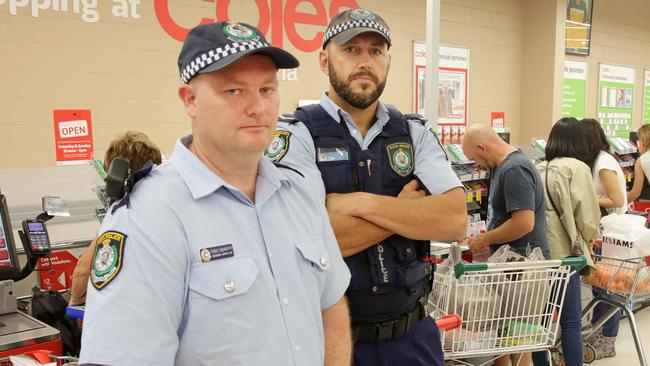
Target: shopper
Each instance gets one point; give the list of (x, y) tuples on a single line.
[(516, 201), (136, 147), (375, 166), (609, 182), (572, 222), (608, 176), (642, 164), (218, 257)]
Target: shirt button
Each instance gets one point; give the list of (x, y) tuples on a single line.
[(354, 132), (323, 261), (296, 348), (229, 286), (285, 301), (408, 250)]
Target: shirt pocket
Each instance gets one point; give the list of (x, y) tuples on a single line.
[(224, 312), (314, 263)]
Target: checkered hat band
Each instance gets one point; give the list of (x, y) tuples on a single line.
[(215, 55), (363, 23)]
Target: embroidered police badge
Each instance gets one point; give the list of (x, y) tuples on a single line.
[(237, 32), (107, 258), (400, 157), (362, 14), (279, 146)]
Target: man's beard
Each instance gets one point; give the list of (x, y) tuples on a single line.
[(357, 100)]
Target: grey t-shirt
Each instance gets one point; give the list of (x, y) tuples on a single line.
[(516, 185)]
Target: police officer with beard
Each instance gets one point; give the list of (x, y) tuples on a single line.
[(388, 187)]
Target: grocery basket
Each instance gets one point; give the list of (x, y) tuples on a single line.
[(620, 283), (42, 356), (506, 308)]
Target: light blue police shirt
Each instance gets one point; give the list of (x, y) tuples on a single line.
[(431, 164), (260, 306)]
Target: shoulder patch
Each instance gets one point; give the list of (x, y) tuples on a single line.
[(279, 146), (400, 157), (107, 258)]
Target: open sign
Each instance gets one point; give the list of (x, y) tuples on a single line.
[(70, 129)]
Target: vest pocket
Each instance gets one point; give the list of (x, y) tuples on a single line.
[(337, 176)]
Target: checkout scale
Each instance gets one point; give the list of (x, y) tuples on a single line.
[(19, 332)]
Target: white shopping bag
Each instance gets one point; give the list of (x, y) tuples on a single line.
[(625, 236)]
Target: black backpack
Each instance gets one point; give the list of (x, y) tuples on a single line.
[(49, 307)]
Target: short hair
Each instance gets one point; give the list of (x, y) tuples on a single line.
[(596, 140), (136, 147), (566, 140), (643, 133)]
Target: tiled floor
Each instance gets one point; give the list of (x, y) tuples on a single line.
[(626, 354)]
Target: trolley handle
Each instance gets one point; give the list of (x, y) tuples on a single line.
[(449, 321), (577, 262)]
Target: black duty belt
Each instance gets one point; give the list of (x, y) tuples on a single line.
[(389, 329)]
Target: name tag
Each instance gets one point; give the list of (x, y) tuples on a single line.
[(215, 253), (333, 154)]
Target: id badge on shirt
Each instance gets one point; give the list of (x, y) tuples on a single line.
[(332, 154)]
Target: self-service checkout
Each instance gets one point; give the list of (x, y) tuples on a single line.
[(19, 332)]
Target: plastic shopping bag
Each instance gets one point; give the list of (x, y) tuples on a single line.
[(524, 293), (625, 236)]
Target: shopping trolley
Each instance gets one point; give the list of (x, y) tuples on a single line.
[(621, 283), (44, 357), (506, 308)]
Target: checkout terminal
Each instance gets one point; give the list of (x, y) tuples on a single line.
[(20, 333)]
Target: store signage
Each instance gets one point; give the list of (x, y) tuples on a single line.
[(281, 17), (276, 14), (453, 70), (575, 89), (615, 99), (498, 119), (73, 136), (55, 271)]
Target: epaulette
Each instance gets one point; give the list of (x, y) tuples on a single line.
[(290, 168), (415, 117), (287, 118), (133, 180)]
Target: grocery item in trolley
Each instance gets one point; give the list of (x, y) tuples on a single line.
[(507, 307), (627, 277), (525, 293)]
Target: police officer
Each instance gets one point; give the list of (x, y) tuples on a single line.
[(218, 257), (375, 166)]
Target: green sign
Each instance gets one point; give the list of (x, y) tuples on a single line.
[(575, 89), (615, 99)]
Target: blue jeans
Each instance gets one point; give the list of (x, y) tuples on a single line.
[(610, 328), (571, 327)]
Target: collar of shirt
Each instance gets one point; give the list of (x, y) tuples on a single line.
[(337, 113), (201, 181)]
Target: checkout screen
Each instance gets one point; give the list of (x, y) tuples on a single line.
[(5, 260)]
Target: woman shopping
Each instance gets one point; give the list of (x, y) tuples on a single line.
[(572, 222), (609, 182)]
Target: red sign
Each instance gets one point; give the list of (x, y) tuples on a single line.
[(272, 13), (56, 270), (73, 135), (498, 119)]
